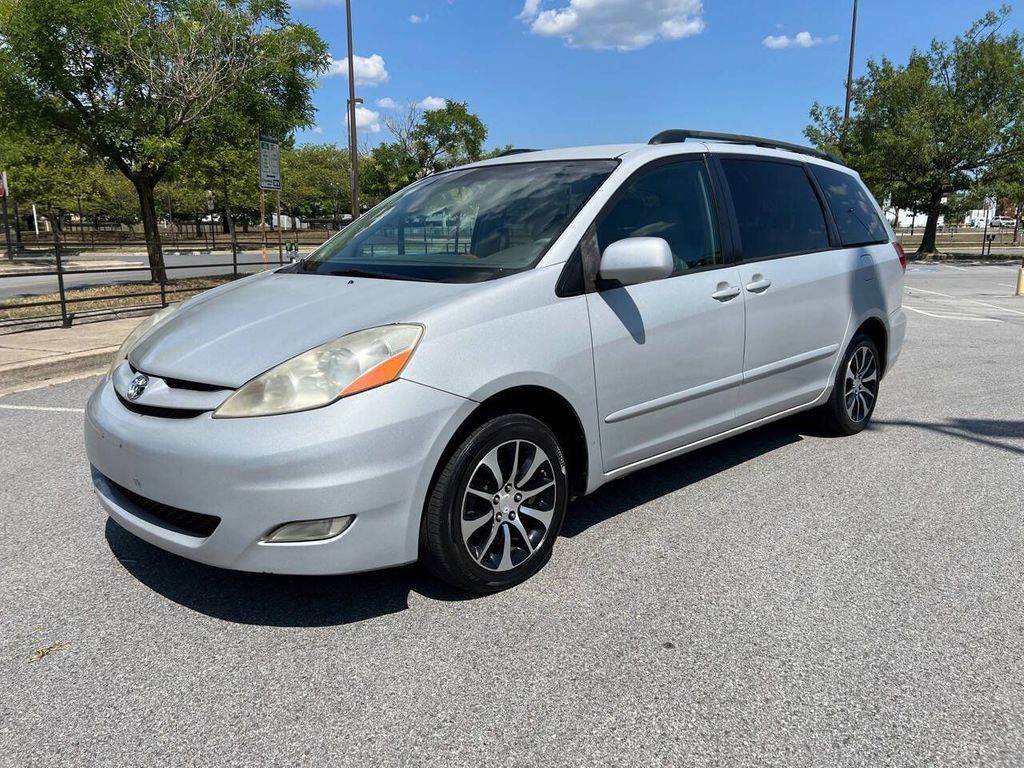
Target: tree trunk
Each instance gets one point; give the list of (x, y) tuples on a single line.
[(1016, 225), (932, 225), (147, 203), (17, 226)]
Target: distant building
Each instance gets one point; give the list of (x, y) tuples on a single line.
[(908, 219)]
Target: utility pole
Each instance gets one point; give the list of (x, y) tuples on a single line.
[(849, 75), (352, 148)]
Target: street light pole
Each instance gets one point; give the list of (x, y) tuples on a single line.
[(849, 74), (353, 150)]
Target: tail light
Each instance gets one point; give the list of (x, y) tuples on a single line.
[(902, 254)]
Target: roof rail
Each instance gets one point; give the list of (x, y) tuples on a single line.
[(676, 135), (514, 151)]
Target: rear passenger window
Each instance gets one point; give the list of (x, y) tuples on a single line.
[(776, 207), (672, 202), (851, 207)]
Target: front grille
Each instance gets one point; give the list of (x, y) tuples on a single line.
[(180, 520), (195, 386), (158, 411)]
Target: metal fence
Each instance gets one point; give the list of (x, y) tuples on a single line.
[(62, 305)]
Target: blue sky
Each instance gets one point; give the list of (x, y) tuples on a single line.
[(550, 73)]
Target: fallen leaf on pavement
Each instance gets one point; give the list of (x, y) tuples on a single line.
[(41, 653)]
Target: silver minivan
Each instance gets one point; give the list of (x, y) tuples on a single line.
[(438, 381)]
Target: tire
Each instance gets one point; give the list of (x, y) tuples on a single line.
[(482, 536), (855, 389)]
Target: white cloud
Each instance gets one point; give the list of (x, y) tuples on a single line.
[(369, 70), (621, 25), (530, 9), (414, 19), (317, 129), (430, 103), (799, 40), (388, 103), (366, 119)]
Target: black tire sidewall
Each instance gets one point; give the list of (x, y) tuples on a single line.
[(456, 559), (842, 419)]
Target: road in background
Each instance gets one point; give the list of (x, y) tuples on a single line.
[(783, 598), (11, 287)]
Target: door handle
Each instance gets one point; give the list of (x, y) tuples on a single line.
[(759, 284), (725, 292)]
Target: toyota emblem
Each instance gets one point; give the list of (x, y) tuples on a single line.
[(137, 387)]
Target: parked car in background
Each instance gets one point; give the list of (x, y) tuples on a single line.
[(412, 391), (1001, 221)]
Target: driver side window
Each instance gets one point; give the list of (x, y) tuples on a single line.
[(672, 202)]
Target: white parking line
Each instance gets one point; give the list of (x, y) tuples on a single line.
[(959, 269), (971, 301), (41, 408), (953, 317)]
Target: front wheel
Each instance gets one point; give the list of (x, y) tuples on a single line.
[(497, 506), (855, 390)]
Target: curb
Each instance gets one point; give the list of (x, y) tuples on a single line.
[(60, 367)]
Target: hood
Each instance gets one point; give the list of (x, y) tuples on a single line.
[(233, 333)]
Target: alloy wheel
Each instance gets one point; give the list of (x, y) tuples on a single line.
[(860, 384), (508, 505)]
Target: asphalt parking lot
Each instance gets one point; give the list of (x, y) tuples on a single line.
[(783, 598)]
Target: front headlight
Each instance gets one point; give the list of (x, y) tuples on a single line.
[(140, 330), (353, 363)]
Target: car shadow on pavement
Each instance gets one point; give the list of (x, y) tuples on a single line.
[(269, 599), (661, 479), (987, 432), (318, 601)]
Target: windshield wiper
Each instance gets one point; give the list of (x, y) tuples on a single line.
[(368, 273)]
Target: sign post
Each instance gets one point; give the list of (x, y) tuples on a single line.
[(7, 221), (280, 234), (270, 178), (263, 227)]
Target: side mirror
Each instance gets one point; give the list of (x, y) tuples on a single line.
[(636, 260)]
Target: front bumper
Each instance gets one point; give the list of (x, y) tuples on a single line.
[(371, 455)]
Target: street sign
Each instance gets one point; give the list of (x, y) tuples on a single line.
[(270, 162)]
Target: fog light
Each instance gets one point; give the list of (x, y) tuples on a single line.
[(309, 530)]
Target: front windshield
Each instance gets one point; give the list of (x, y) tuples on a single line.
[(464, 226)]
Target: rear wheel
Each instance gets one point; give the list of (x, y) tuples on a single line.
[(497, 506), (855, 390)]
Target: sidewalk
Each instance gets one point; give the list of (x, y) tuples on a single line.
[(50, 264), (55, 354)]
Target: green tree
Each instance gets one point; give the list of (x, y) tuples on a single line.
[(57, 176), (134, 81), (448, 137), (223, 162), (934, 126), (388, 168), (314, 181), (424, 143), (44, 169), (1005, 181)]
